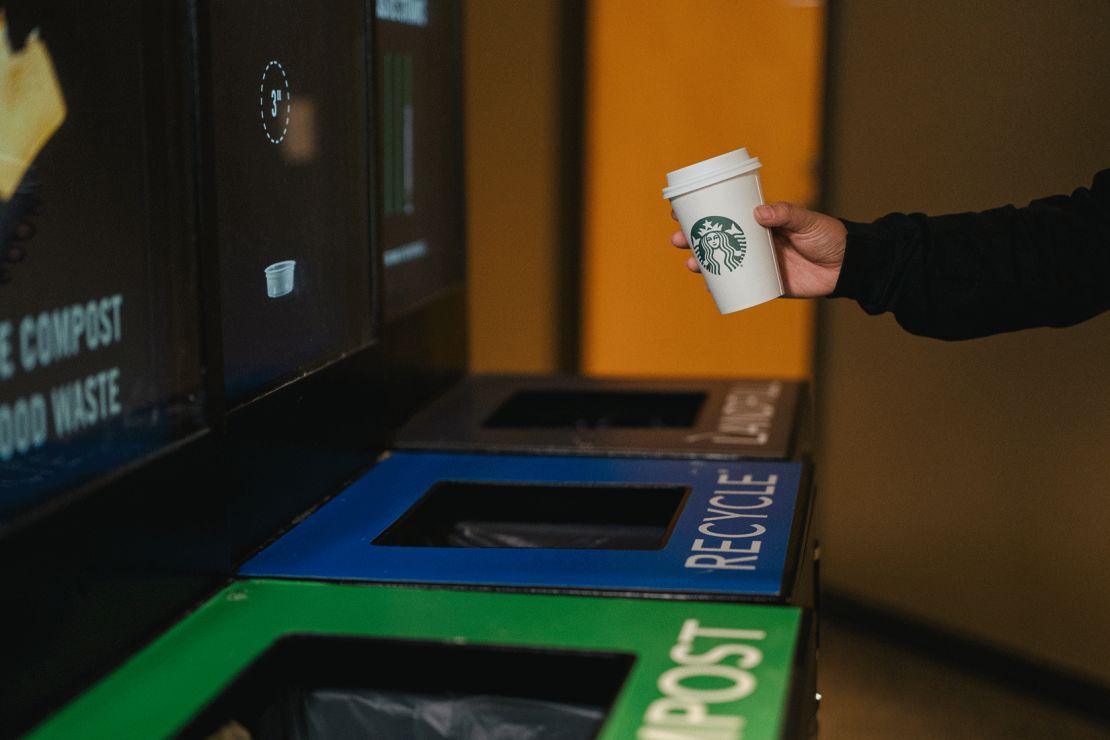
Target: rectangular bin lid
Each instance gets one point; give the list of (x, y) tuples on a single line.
[(737, 535), (740, 418), (746, 687)]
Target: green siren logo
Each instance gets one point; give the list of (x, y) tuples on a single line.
[(718, 241)]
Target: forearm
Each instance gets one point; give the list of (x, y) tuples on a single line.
[(973, 274)]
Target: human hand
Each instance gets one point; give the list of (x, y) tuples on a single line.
[(809, 246)]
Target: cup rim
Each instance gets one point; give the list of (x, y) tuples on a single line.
[(737, 162), (282, 266)]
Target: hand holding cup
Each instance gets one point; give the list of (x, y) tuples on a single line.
[(809, 247)]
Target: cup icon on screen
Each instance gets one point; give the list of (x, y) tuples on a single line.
[(279, 278)]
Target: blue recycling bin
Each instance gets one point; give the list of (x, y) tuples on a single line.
[(682, 529)]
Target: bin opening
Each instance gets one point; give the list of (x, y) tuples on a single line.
[(596, 410), (575, 516), (310, 686)]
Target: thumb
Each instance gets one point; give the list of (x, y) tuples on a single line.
[(785, 215)]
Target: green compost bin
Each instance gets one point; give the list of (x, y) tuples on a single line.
[(265, 651)]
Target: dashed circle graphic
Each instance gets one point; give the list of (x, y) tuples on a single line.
[(274, 101)]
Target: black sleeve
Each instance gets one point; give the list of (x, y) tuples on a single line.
[(972, 274)]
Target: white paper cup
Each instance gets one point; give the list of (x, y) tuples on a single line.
[(713, 201), (279, 278)]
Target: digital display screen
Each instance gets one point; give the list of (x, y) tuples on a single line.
[(290, 131), (419, 124), (99, 358)]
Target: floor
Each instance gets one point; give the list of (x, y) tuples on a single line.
[(876, 688)]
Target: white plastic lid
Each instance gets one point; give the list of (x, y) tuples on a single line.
[(709, 172)]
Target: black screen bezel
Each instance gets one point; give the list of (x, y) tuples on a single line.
[(457, 165)]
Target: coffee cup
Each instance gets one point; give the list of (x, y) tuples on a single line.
[(714, 201)]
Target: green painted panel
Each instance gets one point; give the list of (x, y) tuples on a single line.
[(403, 132), (389, 96), (732, 661)]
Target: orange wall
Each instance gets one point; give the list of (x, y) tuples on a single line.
[(671, 82)]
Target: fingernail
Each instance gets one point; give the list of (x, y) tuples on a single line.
[(764, 211)]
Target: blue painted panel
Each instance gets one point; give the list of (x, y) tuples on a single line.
[(731, 536)]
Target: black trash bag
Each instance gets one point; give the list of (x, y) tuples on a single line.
[(578, 536), (335, 714)]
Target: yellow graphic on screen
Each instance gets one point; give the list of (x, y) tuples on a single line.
[(31, 106)]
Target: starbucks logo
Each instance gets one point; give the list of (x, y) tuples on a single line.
[(718, 242)]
